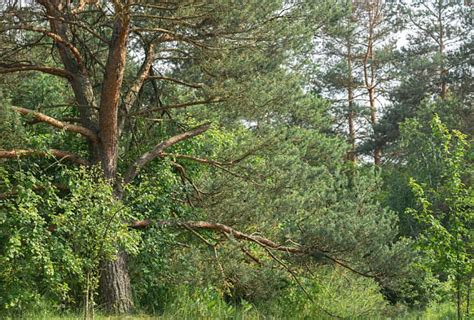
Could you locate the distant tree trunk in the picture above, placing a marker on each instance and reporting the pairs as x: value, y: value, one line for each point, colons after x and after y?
x: 443, y: 72
x: 369, y: 76
x: 350, y: 100
x: 468, y: 295
x: 458, y: 297
x: 373, y: 121
x: 369, y: 67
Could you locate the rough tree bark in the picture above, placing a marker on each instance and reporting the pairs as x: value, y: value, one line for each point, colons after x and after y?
x: 115, y: 287
x: 115, y: 282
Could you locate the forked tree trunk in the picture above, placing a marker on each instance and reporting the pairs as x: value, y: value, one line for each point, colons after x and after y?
x: 115, y: 288
x: 370, y: 74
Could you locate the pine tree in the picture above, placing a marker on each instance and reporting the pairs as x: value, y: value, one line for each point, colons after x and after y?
x: 432, y: 64
x: 361, y: 49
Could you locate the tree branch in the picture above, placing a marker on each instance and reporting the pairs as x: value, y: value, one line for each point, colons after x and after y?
x: 259, y: 240
x: 133, y: 170
x: 20, y: 67
x: 19, y: 153
x: 132, y: 93
x: 183, y: 83
x: 54, y: 36
x: 180, y: 105
x: 81, y: 25
x: 214, y: 162
x: 212, y: 226
x: 196, y: 159
x: 131, y: 96
x: 58, y: 124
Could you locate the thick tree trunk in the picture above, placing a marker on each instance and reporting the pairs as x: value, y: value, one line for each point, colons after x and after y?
x: 115, y: 288
x: 98, y: 122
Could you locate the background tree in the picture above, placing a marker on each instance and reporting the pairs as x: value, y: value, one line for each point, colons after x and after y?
x: 433, y: 64
x: 360, y: 49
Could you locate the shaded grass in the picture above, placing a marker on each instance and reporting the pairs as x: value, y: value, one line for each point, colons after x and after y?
x: 210, y: 310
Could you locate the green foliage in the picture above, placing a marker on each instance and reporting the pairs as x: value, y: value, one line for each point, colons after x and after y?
x: 334, y: 293
x: 12, y: 131
x: 52, y: 243
x: 444, y: 203
x: 41, y: 91
x: 271, y: 165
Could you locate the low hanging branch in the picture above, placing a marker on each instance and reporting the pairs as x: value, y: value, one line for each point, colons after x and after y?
x: 133, y: 170
x: 259, y: 240
x: 89, y: 134
x: 204, y: 225
x: 19, y: 153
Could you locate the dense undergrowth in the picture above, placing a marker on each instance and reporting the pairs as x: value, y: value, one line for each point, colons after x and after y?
x: 199, y: 306
x: 331, y: 294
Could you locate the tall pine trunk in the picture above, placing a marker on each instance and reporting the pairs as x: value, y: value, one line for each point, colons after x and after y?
x: 350, y: 101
